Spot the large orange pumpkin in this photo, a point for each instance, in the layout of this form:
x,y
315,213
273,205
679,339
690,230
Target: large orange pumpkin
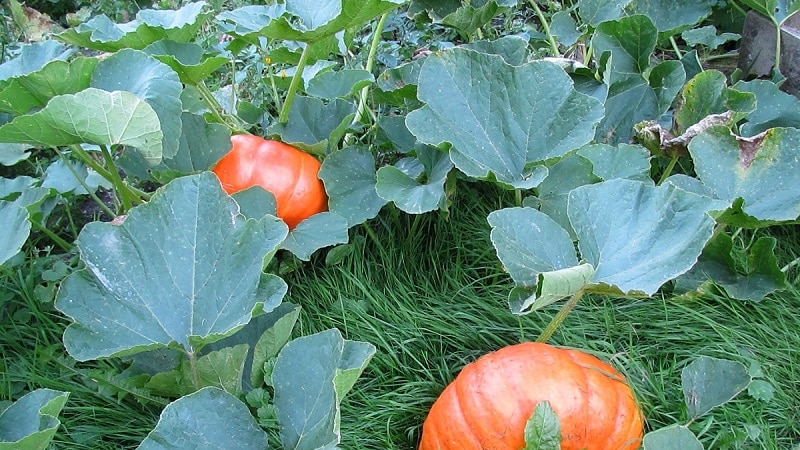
x,y
288,173
490,401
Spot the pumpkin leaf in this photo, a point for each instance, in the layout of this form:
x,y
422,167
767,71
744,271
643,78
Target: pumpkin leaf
x,y
710,382
306,20
158,274
623,161
674,437
314,126
620,253
223,368
91,116
628,254
546,117
14,219
186,59
707,36
565,175
628,43
471,16
256,202
753,174
278,324
311,376
416,191
777,10
773,107
707,94
22,93
150,25
349,178
669,16
318,231
743,277
595,12
543,430
32,421
209,419
152,81
334,84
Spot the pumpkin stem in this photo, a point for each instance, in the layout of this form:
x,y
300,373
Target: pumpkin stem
x,y
551,327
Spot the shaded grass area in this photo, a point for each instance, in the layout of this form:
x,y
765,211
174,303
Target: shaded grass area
x,y
431,295
32,356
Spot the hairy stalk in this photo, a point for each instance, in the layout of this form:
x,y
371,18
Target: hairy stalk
x,y
229,120
123,190
546,27
125,196
295,84
373,50
82,182
675,47
668,170
193,369
66,246
551,327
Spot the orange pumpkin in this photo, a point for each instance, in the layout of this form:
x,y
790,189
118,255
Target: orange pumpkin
x,y
288,173
490,401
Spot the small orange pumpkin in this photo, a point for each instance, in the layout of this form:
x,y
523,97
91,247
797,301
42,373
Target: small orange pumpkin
x,y
288,173
490,401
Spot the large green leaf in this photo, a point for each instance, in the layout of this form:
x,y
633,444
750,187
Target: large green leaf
x,y
649,236
777,10
338,83
150,25
187,59
595,12
152,81
636,92
223,368
498,117
349,178
416,185
314,126
31,422
318,231
183,269
709,382
671,15
311,376
471,16
20,94
760,173
306,20
91,116
742,276
13,219
32,58
209,419
675,437
774,108
633,237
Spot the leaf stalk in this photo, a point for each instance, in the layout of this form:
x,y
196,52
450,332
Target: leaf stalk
x,y
551,327
295,83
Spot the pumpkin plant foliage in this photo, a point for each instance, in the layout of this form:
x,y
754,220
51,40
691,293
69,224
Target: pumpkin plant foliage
x,y
187,273
32,421
170,275
650,236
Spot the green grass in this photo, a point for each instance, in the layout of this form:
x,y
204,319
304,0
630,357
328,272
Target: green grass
x,y
430,294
